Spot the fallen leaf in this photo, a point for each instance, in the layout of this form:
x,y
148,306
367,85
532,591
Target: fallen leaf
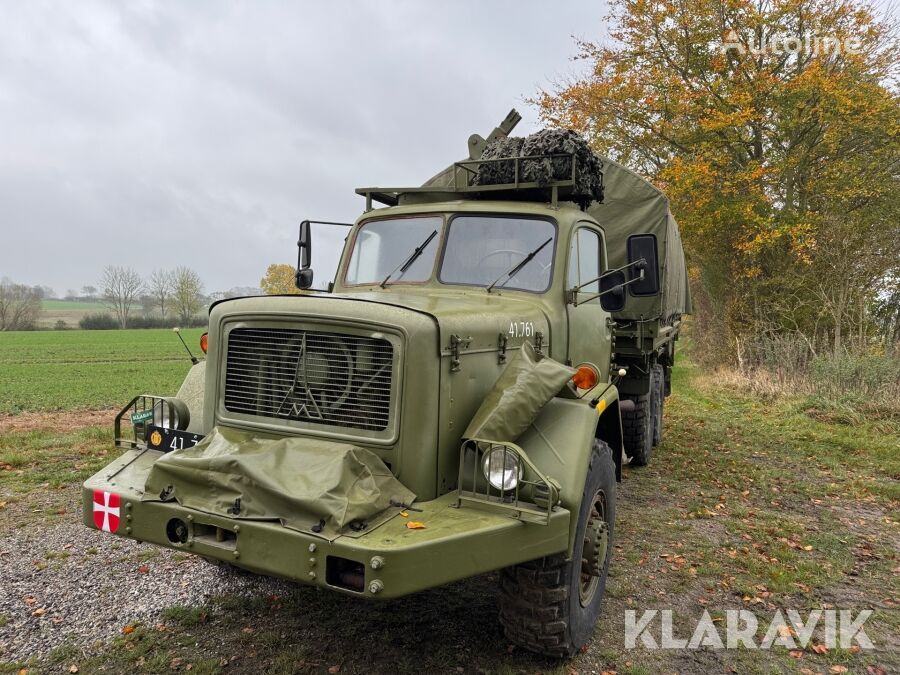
x,y
334,669
807,548
247,630
30,600
795,653
127,629
820,649
838,669
73,668
38,612
414,525
143,569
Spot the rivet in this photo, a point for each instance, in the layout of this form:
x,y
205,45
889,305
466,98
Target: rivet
x,y
377,562
190,517
312,575
376,586
237,554
127,516
128,505
237,528
312,548
128,529
312,562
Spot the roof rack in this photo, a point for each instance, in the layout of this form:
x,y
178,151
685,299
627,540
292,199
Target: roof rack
x,y
466,171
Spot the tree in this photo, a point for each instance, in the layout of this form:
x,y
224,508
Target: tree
x,y
160,287
771,151
187,292
279,280
122,287
89,291
20,306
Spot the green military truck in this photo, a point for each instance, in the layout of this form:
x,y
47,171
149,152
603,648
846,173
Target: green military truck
x,y
453,404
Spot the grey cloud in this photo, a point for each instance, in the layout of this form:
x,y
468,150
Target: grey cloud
x,y
199,133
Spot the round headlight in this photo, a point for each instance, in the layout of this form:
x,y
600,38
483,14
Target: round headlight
x,y
171,413
501,468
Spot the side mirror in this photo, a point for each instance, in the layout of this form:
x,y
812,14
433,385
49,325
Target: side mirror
x,y
304,278
643,246
612,291
304,244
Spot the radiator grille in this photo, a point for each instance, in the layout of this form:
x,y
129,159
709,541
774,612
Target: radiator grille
x,y
311,376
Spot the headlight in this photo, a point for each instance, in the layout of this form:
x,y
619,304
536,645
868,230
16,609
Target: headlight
x,y
171,413
501,467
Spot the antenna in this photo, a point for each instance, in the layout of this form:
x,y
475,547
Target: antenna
x,y
194,359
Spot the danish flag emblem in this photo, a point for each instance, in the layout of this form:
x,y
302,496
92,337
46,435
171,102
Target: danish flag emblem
x,y
106,511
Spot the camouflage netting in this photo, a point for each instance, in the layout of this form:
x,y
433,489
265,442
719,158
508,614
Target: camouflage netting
x,y
588,166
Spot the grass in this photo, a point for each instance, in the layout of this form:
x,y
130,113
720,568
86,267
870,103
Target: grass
x,y
65,370
747,504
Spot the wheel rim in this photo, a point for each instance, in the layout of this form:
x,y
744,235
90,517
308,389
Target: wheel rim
x,y
594,550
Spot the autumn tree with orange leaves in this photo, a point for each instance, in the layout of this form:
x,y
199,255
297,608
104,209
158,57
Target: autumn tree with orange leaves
x,y
774,127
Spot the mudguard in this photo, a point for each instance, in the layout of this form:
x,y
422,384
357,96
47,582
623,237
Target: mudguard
x,y
191,393
560,441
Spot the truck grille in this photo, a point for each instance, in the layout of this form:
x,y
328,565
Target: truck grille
x,y
310,376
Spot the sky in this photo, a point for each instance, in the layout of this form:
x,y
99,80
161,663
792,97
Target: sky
x,y
154,135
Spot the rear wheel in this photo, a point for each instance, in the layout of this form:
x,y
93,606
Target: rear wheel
x,y
551,605
637,429
658,392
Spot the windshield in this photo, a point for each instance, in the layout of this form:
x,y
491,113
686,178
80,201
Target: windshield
x,y
383,246
479,251
482,249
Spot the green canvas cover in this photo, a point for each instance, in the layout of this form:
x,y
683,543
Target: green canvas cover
x,y
523,388
297,481
631,205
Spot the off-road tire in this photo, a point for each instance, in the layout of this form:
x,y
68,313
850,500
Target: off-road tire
x,y
658,393
540,601
637,429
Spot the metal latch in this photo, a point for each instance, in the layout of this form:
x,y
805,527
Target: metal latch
x,y
539,342
502,339
455,342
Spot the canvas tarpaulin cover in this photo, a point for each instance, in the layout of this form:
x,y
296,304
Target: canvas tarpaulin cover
x,y
297,481
523,388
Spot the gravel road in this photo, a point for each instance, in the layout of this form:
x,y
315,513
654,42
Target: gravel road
x,y
67,584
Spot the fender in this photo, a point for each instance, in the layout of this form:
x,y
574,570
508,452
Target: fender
x,y
191,393
560,441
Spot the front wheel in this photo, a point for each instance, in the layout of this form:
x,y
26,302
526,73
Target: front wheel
x,y
551,605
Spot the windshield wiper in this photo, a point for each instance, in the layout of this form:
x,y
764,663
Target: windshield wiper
x,y
518,268
406,264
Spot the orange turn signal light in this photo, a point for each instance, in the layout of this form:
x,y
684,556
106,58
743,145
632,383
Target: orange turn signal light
x,y
586,377
204,342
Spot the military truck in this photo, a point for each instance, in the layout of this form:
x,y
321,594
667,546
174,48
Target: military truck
x,y
451,405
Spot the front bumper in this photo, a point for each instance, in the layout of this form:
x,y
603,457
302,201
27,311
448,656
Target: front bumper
x,y
386,562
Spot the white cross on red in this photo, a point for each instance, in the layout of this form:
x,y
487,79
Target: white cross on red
x,y
106,510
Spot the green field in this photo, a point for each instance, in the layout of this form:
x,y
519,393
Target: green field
x,y
70,312
64,370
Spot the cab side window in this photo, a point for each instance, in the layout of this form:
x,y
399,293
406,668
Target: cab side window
x,y
584,262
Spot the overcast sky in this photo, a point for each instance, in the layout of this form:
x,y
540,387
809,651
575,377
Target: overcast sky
x,y
200,133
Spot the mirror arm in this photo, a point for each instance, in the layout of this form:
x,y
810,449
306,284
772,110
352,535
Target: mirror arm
x,y
574,291
639,261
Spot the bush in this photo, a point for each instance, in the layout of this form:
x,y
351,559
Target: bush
x,y
168,322
98,322
60,325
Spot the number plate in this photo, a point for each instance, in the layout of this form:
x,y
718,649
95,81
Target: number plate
x,y
168,440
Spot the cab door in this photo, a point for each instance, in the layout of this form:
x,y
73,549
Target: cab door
x,y
588,336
